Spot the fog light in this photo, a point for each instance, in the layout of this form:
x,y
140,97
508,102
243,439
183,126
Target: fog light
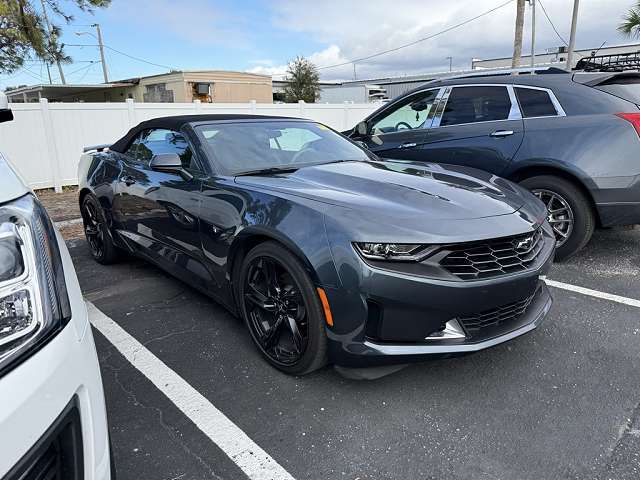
x,y
451,330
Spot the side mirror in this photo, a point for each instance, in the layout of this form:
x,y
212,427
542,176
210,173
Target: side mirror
x,y
6,115
362,128
166,162
169,163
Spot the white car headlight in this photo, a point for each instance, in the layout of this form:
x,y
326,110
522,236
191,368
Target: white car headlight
x,y
34,304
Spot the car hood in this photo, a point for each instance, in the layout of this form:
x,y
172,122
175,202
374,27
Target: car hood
x,y
11,185
400,189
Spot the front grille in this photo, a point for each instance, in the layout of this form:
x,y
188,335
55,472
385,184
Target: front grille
x,y
496,316
492,258
57,455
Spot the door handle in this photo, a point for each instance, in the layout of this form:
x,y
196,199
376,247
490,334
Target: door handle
x,y
408,145
128,180
501,133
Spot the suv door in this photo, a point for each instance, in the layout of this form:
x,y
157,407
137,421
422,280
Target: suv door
x,y
398,130
476,125
160,210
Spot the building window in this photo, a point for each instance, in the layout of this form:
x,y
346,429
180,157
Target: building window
x,y
203,92
157,92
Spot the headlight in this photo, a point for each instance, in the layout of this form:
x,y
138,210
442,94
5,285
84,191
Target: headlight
x,y
34,304
392,251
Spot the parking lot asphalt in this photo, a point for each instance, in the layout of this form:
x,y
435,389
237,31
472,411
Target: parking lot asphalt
x,y
561,402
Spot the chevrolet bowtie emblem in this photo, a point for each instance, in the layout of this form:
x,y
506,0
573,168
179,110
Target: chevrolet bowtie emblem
x,y
525,244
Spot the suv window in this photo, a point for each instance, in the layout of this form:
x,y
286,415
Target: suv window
x,y
411,113
160,140
476,104
535,103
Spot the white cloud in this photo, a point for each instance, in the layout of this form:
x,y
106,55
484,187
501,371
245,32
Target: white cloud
x,y
358,28
329,56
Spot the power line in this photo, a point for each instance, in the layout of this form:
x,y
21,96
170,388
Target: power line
x,y
551,23
419,40
85,73
31,73
121,53
85,67
139,59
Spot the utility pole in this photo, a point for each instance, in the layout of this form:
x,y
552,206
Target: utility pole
x,y
48,72
355,77
50,32
533,33
572,38
450,62
517,41
101,46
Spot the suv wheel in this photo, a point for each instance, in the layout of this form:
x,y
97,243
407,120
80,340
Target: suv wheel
x,y
569,212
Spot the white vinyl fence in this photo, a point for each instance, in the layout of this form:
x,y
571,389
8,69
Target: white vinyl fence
x,y
45,140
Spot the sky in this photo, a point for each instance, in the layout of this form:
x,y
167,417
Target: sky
x,y
263,36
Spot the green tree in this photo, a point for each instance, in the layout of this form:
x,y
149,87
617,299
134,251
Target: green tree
x,y
303,80
630,25
24,34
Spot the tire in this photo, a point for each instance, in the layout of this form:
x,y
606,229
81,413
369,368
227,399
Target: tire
x,y
580,211
292,295
96,231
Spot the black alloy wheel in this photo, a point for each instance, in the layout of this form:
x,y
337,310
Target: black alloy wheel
x,y
569,212
96,231
281,309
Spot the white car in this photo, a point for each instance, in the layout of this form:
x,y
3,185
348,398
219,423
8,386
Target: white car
x,y
53,422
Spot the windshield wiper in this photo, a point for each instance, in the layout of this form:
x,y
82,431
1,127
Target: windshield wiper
x,y
290,168
267,171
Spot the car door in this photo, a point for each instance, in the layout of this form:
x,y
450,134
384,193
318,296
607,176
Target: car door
x,y
475,125
160,210
398,130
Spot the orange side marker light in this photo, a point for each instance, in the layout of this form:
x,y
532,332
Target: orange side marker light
x,y
325,305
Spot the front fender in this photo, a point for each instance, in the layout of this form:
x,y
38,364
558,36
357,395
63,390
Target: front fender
x,y
309,246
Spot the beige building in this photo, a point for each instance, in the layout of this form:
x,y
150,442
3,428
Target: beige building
x,y
208,86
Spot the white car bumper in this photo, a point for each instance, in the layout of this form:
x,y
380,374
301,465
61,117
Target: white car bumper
x,y
56,397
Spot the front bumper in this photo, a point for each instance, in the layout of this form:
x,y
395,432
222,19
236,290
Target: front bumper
x,y
390,317
45,390
532,318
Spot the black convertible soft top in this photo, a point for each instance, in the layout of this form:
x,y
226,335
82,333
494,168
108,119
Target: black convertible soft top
x,y
176,122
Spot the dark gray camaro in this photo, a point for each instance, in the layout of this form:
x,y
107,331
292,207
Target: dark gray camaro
x,y
328,253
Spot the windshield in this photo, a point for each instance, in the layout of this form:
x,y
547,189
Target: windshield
x,y
248,146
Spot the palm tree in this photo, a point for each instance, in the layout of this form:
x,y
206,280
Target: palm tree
x,y
630,25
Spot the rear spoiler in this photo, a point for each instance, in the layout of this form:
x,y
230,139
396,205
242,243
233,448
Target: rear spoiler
x,y
97,148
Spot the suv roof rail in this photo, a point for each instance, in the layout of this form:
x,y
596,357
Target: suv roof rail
x,y
618,62
505,71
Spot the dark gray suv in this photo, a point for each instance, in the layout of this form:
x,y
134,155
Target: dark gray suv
x,y
571,138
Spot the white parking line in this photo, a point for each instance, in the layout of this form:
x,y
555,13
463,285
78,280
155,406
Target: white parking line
x,y
594,293
252,459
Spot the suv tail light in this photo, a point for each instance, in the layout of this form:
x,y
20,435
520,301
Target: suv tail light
x,y
632,118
